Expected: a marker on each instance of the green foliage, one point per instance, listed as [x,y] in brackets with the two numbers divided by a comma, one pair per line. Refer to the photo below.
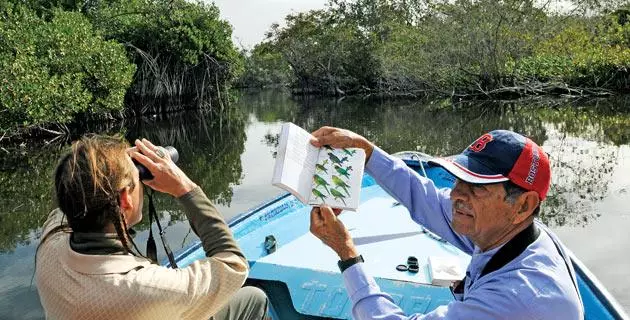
[61,60]
[326,54]
[597,56]
[183,49]
[264,66]
[52,70]
[453,47]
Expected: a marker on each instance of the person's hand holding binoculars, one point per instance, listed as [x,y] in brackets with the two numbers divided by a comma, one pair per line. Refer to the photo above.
[167,177]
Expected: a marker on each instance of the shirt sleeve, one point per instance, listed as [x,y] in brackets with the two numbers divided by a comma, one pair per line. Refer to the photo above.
[428,205]
[491,302]
[206,221]
[208,284]
[368,301]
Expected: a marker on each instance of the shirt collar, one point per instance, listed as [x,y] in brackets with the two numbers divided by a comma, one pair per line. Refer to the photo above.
[479,259]
[101,264]
[96,243]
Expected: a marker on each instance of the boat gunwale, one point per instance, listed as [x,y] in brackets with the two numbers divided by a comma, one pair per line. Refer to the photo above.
[602,294]
[232,222]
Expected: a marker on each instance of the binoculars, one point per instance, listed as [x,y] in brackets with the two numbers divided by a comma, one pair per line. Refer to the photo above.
[145,174]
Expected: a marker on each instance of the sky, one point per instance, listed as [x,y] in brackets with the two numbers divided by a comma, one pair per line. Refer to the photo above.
[252,18]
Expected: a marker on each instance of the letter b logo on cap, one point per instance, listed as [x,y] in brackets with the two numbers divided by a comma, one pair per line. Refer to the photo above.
[480,143]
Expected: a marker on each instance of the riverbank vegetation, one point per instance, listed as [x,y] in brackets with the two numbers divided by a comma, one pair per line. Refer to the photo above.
[69,62]
[464,49]
[77,60]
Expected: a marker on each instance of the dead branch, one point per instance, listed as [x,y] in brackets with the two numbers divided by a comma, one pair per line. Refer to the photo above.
[50,131]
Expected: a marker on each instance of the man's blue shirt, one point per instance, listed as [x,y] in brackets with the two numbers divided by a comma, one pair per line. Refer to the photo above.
[535,285]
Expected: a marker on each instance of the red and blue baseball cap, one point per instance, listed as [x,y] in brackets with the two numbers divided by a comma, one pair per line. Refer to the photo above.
[502,155]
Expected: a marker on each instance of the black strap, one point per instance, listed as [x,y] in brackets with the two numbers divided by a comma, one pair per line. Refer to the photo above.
[511,249]
[345,264]
[151,248]
[507,253]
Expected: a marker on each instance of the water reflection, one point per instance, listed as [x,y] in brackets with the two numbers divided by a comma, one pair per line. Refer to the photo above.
[583,141]
[210,147]
[581,138]
[25,193]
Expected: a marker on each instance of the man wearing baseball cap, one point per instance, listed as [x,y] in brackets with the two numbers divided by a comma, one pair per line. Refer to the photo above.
[519,269]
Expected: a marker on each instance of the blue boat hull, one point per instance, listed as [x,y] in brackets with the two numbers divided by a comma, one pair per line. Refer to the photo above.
[301,277]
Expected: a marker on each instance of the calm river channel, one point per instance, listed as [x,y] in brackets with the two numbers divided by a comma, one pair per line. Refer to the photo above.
[231,155]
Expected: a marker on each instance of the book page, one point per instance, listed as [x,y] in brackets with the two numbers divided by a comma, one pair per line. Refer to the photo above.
[298,158]
[280,155]
[337,178]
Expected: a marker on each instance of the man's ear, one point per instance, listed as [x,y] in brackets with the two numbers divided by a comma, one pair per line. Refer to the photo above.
[526,203]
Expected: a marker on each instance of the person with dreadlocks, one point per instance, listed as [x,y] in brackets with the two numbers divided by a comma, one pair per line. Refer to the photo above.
[88,266]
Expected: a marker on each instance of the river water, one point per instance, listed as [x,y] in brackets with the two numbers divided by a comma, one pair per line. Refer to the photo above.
[231,155]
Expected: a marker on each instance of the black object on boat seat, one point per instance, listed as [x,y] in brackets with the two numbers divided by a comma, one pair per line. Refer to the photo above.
[270,244]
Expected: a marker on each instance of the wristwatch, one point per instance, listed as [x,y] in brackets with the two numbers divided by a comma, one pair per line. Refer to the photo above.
[345,264]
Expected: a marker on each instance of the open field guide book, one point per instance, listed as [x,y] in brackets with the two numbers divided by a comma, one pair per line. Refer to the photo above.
[318,175]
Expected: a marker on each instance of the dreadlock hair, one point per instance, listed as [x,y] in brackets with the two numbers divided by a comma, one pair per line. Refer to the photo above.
[88,180]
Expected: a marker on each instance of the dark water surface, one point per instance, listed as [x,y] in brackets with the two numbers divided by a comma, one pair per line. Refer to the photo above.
[231,155]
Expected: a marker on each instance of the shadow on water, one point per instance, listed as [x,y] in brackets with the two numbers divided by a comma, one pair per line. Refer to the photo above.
[583,140]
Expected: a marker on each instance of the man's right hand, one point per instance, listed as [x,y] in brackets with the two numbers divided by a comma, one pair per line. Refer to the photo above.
[342,138]
[327,227]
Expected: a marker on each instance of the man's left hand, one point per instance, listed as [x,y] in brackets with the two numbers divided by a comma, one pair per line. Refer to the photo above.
[327,227]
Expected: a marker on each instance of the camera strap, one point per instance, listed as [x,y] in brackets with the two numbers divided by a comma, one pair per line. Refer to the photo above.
[503,256]
[151,247]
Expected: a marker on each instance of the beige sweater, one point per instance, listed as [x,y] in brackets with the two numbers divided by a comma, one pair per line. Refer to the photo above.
[79,286]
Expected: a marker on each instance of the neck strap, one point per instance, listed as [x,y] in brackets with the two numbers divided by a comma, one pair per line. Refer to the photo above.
[151,248]
[511,249]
